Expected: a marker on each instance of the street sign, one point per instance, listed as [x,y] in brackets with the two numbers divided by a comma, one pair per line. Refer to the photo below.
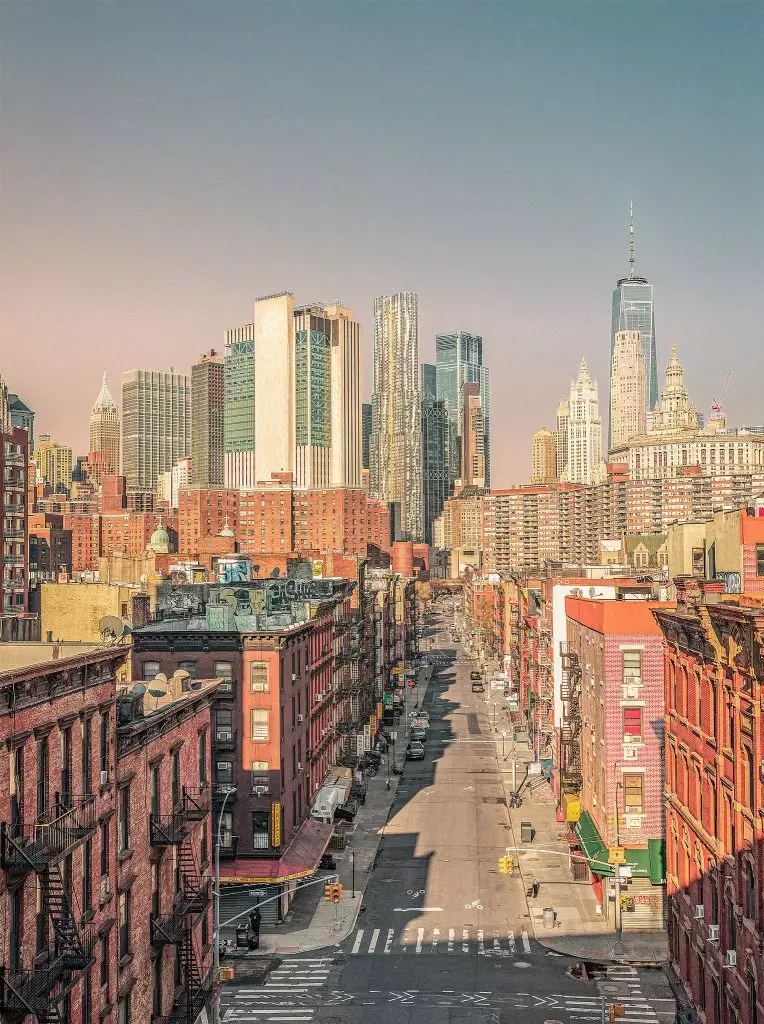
[387,700]
[616,855]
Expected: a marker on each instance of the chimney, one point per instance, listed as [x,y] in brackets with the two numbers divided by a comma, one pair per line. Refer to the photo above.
[687,592]
[711,591]
[140,610]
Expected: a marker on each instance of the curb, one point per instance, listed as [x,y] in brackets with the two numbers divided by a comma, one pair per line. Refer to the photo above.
[631,961]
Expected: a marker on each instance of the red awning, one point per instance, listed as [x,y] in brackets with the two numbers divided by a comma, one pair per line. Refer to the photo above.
[299,860]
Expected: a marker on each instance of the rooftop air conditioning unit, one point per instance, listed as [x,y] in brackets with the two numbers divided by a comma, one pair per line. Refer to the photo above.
[713,933]
[699,912]
[104,778]
[261,790]
[730,958]
[300,718]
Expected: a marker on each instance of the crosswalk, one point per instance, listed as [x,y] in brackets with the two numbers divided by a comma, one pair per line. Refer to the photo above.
[455,941]
[290,993]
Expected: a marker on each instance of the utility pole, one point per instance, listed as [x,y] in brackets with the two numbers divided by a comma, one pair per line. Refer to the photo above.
[617,872]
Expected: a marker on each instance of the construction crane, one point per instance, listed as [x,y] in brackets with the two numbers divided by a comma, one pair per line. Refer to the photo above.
[717,406]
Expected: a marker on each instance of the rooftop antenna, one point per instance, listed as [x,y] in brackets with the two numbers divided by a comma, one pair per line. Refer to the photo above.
[631,239]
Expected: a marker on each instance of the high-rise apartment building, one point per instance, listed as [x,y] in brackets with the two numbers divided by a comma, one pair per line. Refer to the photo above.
[104,431]
[396,440]
[54,463]
[21,416]
[239,407]
[156,424]
[627,388]
[561,440]
[633,310]
[274,385]
[544,457]
[438,483]
[473,438]
[459,361]
[207,448]
[365,433]
[14,469]
[584,430]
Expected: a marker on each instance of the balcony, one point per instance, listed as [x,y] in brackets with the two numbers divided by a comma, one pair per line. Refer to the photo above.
[196,804]
[167,830]
[13,535]
[14,485]
[14,459]
[196,995]
[33,847]
[224,739]
[14,559]
[167,930]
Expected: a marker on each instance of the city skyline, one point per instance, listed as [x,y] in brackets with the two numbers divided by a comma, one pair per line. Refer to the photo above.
[153,280]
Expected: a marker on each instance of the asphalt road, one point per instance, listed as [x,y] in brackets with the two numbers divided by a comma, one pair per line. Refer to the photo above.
[443,936]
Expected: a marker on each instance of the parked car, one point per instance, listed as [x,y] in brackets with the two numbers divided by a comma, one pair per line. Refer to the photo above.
[346,812]
[415,751]
[477,686]
[418,735]
[327,863]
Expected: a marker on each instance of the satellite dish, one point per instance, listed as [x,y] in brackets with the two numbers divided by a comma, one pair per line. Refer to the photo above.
[111,628]
[138,690]
[180,673]
[160,678]
[157,693]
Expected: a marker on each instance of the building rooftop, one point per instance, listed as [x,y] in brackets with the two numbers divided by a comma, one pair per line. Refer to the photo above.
[22,655]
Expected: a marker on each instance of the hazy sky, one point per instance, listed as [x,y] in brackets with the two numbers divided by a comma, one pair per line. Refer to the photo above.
[165,163]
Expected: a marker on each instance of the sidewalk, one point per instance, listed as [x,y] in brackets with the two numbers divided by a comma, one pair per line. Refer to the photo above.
[312,922]
[579,928]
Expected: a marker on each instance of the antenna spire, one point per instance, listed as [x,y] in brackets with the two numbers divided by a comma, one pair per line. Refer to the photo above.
[631,239]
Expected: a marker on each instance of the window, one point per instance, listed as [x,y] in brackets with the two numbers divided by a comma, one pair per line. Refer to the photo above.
[87,786]
[223,726]
[750,892]
[105,967]
[712,709]
[205,931]
[760,559]
[124,819]
[633,794]
[156,1001]
[87,999]
[188,666]
[226,829]
[224,670]
[751,786]
[204,845]
[156,902]
[150,670]
[42,776]
[66,767]
[753,1008]
[87,876]
[260,830]
[104,743]
[224,773]
[123,1010]
[105,849]
[41,918]
[260,776]
[203,757]
[258,677]
[632,725]
[698,562]
[123,919]
[259,720]
[632,666]
[175,778]
[731,726]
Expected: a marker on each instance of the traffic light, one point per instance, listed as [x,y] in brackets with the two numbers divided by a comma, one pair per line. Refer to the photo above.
[616,1010]
[506,865]
[333,892]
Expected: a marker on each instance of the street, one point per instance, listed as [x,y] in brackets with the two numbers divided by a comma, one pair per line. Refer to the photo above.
[443,935]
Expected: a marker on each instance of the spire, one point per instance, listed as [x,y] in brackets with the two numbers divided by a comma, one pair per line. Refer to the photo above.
[631,239]
[104,399]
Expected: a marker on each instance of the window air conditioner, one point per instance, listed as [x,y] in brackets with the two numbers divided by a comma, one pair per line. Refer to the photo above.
[104,778]
[730,958]
[299,766]
[631,692]
[629,752]
[294,677]
[699,911]
[261,790]
[300,718]
[713,933]
[223,737]
[105,888]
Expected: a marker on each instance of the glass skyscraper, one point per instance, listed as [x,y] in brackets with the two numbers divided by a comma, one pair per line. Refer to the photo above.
[438,481]
[239,407]
[459,361]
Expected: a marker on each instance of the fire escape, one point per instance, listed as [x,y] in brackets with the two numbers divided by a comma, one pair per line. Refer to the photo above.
[350,684]
[544,690]
[570,729]
[193,893]
[67,952]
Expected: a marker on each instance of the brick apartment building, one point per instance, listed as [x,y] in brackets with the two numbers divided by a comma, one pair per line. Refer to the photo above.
[84,829]
[612,737]
[714,655]
[13,521]
[50,546]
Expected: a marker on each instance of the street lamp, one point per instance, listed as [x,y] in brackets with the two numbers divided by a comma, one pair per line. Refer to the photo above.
[216,905]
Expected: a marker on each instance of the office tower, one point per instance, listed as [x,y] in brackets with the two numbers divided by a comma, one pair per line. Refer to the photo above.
[473,437]
[544,457]
[22,417]
[627,388]
[396,436]
[207,451]
[365,433]
[459,361]
[239,408]
[633,311]
[104,430]
[438,482]
[156,424]
[54,463]
[327,366]
[274,385]
[584,430]
[561,440]
[676,410]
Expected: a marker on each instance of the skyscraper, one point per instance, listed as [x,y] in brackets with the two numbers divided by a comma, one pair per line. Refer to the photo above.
[584,430]
[156,424]
[633,311]
[365,433]
[207,449]
[627,388]
[54,463]
[544,457]
[676,410]
[438,482]
[473,437]
[104,430]
[239,407]
[21,416]
[459,361]
[396,436]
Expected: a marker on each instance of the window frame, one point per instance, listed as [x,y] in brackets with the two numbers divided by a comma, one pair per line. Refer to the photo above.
[629,783]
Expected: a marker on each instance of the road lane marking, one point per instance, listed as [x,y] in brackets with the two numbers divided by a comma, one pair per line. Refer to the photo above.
[358,939]
[419,937]
[374,940]
[389,940]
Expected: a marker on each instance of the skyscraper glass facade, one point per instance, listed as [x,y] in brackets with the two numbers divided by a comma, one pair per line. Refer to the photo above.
[313,387]
[459,361]
[633,311]
[239,390]
[438,481]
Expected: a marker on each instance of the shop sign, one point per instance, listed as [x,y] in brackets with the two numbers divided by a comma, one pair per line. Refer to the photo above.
[276,824]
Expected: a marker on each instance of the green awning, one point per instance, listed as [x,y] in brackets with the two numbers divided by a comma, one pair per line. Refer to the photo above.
[657,850]
[594,849]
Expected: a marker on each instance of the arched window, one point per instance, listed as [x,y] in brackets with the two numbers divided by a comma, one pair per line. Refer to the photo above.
[731,921]
[750,891]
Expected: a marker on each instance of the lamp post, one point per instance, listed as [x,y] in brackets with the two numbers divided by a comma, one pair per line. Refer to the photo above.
[216,905]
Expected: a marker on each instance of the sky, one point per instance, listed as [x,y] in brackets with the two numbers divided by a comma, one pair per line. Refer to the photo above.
[162,165]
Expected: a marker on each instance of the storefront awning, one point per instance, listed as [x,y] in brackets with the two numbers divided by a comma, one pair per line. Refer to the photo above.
[299,860]
[592,846]
[645,863]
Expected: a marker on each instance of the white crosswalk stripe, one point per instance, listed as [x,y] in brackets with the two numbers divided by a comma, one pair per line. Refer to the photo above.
[292,987]
[425,942]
